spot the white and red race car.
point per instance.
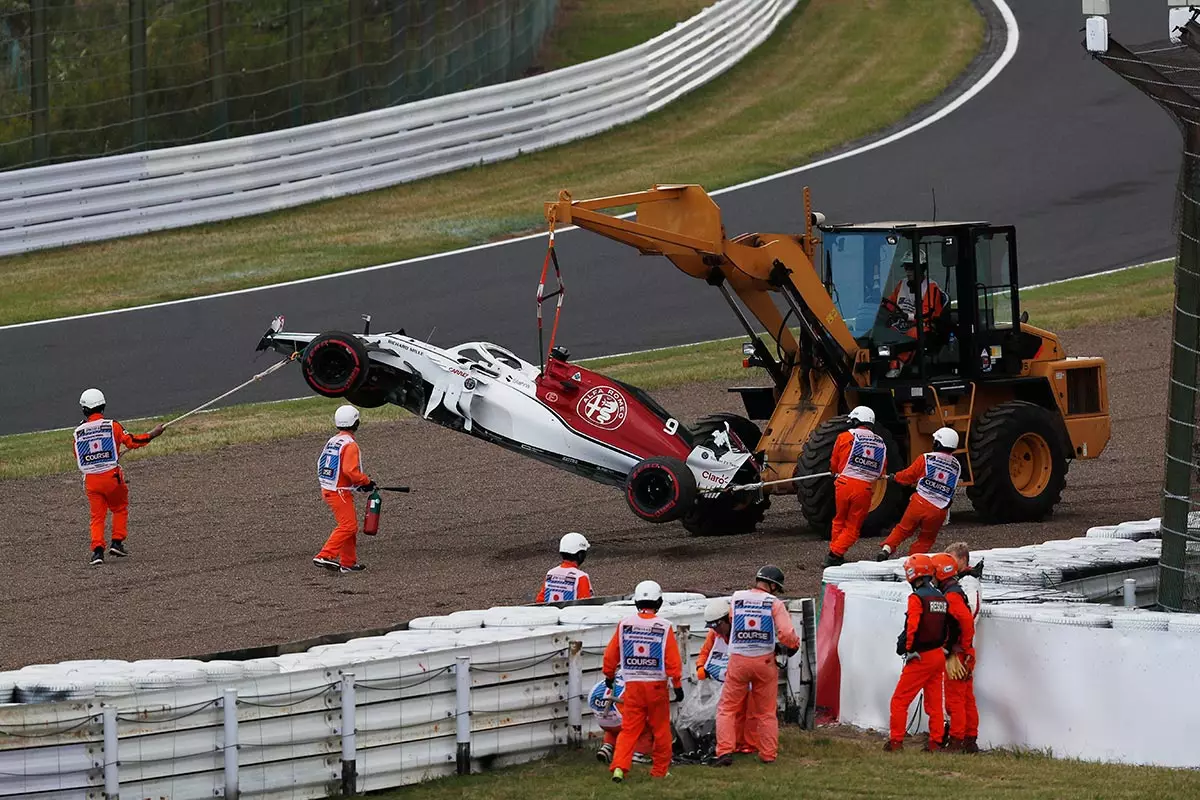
(566, 416)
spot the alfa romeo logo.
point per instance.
(603, 406)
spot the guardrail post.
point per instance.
(1130, 586)
(462, 712)
(349, 743)
(575, 694)
(230, 716)
(112, 778)
(684, 640)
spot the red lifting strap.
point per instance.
(560, 292)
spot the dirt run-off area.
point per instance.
(222, 542)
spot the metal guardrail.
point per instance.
(334, 731)
(106, 198)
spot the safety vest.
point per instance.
(95, 446)
(562, 583)
(753, 627)
(718, 660)
(643, 649)
(329, 464)
(608, 715)
(868, 454)
(940, 479)
(931, 630)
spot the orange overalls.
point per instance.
(759, 620)
(960, 694)
(338, 472)
(935, 475)
(859, 459)
(747, 742)
(565, 582)
(644, 649)
(924, 634)
(98, 442)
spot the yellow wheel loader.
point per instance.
(921, 321)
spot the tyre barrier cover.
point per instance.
(592, 615)
(520, 616)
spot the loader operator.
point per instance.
(644, 649)
(761, 628)
(903, 304)
(339, 472)
(859, 460)
(98, 442)
(567, 581)
(920, 644)
(936, 476)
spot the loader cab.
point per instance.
(953, 313)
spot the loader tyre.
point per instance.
(335, 364)
(817, 501)
(1019, 457)
(660, 489)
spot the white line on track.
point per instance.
(1010, 50)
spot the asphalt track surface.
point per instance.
(1079, 161)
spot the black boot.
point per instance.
(832, 559)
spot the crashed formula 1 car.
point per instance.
(565, 415)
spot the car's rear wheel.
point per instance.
(660, 489)
(335, 364)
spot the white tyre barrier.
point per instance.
(592, 615)
(520, 616)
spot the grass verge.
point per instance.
(819, 765)
(823, 79)
(1142, 292)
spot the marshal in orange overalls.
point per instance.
(98, 443)
(645, 650)
(924, 661)
(339, 472)
(859, 459)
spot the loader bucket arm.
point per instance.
(682, 223)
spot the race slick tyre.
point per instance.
(1019, 459)
(817, 500)
(660, 489)
(335, 364)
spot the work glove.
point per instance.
(158, 431)
(976, 571)
(369, 486)
(900, 648)
(678, 694)
(784, 650)
(608, 683)
(911, 657)
(701, 673)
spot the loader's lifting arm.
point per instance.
(683, 223)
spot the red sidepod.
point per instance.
(600, 408)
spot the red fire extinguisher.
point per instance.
(371, 518)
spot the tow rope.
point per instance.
(237, 388)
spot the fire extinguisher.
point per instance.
(371, 518)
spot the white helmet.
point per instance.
(716, 610)
(649, 591)
(345, 416)
(946, 437)
(91, 398)
(862, 414)
(573, 543)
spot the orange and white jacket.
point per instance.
(338, 467)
